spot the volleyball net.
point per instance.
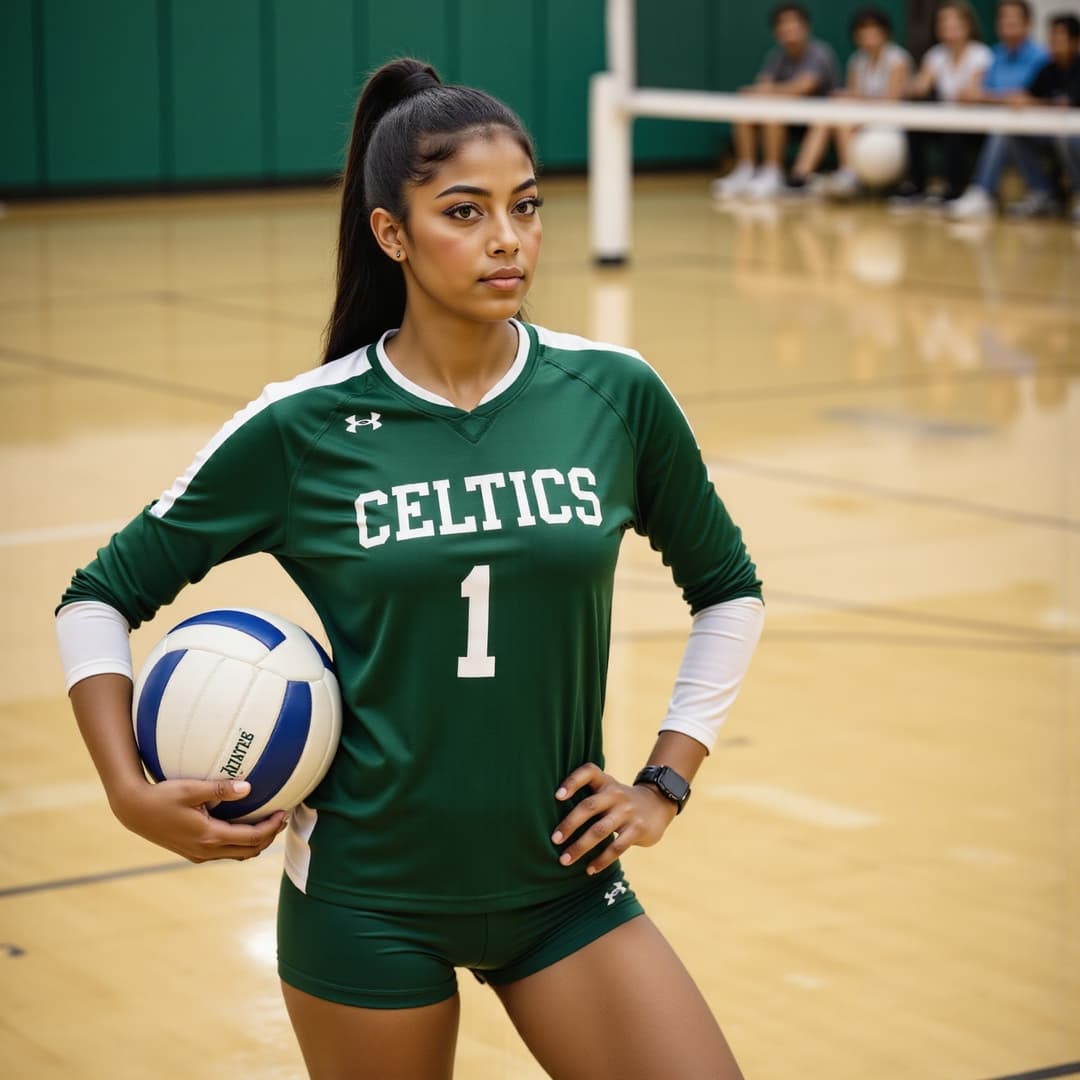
(615, 101)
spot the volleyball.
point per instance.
(239, 694)
(878, 155)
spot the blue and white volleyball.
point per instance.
(239, 694)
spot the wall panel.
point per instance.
(426, 29)
(19, 136)
(673, 51)
(216, 90)
(102, 94)
(312, 85)
(574, 50)
(499, 51)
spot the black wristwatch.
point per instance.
(671, 785)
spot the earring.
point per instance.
(398, 256)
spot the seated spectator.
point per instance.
(950, 69)
(879, 69)
(1016, 58)
(799, 65)
(1057, 82)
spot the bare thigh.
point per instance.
(622, 1006)
(342, 1042)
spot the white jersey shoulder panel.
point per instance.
(575, 343)
(337, 371)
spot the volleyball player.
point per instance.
(449, 489)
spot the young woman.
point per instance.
(878, 70)
(449, 490)
(951, 70)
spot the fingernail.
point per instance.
(239, 785)
(591, 870)
(565, 859)
(561, 793)
(556, 837)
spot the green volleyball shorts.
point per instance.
(402, 959)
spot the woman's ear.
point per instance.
(389, 234)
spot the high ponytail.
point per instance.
(407, 122)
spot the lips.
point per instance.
(506, 273)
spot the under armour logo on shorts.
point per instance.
(614, 892)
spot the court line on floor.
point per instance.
(863, 637)
(93, 879)
(105, 876)
(835, 606)
(875, 638)
(1071, 1068)
(892, 614)
(883, 382)
(921, 498)
(81, 370)
(57, 533)
(921, 287)
(32, 798)
(806, 809)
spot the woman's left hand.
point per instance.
(635, 814)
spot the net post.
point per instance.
(621, 35)
(610, 171)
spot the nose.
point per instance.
(504, 239)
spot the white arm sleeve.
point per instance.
(722, 641)
(93, 640)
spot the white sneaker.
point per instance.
(974, 203)
(842, 184)
(767, 183)
(1034, 204)
(734, 184)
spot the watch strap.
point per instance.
(668, 782)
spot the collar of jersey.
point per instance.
(502, 392)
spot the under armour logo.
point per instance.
(614, 893)
(372, 422)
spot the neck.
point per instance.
(455, 358)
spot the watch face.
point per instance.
(673, 785)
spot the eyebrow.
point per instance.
(468, 189)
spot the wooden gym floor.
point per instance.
(879, 876)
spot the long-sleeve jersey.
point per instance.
(462, 564)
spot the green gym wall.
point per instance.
(155, 94)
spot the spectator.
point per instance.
(878, 69)
(1016, 58)
(952, 67)
(1056, 83)
(799, 65)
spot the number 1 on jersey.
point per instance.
(476, 664)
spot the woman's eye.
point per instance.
(464, 212)
(528, 207)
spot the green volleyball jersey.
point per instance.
(462, 564)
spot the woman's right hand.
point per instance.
(175, 814)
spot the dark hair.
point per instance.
(1023, 5)
(966, 12)
(407, 122)
(1070, 22)
(788, 9)
(871, 16)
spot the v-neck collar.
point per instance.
(498, 393)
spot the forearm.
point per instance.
(681, 752)
(102, 707)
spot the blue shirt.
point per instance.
(1014, 70)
